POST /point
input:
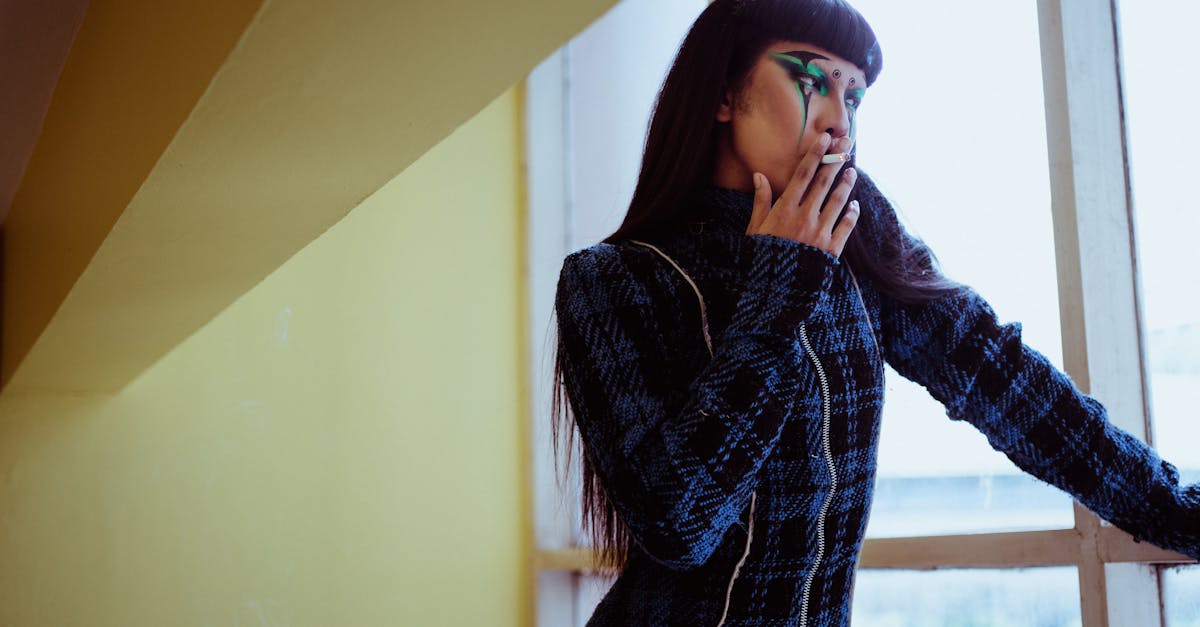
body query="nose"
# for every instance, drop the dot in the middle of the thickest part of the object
(834, 118)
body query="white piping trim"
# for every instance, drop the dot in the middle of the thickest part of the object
(738, 567)
(703, 310)
(753, 495)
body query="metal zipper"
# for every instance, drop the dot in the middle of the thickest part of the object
(825, 415)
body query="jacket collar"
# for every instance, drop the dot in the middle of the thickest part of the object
(723, 210)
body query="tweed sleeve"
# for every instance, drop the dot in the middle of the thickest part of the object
(1032, 412)
(678, 465)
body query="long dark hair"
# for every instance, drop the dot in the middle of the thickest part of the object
(681, 147)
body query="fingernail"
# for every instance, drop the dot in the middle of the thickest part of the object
(826, 138)
(854, 205)
(757, 181)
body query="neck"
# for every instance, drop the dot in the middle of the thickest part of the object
(730, 172)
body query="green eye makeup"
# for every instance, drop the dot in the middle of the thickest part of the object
(806, 74)
(799, 65)
(802, 63)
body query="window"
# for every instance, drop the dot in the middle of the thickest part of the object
(1027, 596)
(1181, 596)
(1165, 226)
(947, 149)
(985, 140)
(1166, 223)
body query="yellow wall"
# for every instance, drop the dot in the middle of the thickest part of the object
(341, 446)
(185, 127)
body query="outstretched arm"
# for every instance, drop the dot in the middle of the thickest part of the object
(680, 465)
(984, 374)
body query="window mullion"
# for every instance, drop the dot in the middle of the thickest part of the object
(1098, 291)
(1093, 582)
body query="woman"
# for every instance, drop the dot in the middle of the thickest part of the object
(722, 352)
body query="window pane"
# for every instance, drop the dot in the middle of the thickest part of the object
(1167, 255)
(626, 52)
(1167, 222)
(556, 598)
(1045, 597)
(1181, 596)
(591, 589)
(957, 142)
(913, 506)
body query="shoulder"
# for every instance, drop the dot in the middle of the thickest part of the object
(624, 262)
(624, 253)
(612, 276)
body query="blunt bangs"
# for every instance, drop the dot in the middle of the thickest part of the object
(831, 24)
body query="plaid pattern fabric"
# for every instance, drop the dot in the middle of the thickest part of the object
(682, 439)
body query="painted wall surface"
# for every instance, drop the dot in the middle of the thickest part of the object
(343, 445)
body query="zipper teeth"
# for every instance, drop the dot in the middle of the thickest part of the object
(825, 413)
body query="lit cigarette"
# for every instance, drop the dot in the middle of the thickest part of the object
(838, 157)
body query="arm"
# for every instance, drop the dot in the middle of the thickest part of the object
(1032, 412)
(679, 465)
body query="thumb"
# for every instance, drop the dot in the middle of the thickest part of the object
(762, 203)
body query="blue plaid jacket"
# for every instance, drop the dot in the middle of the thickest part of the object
(742, 456)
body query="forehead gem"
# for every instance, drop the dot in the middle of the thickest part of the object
(837, 73)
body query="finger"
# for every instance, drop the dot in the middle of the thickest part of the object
(837, 199)
(825, 178)
(762, 202)
(803, 173)
(844, 227)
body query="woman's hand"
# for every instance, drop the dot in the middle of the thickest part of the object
(797, 215)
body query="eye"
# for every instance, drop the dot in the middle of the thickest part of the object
(808, 80)
(854, 98)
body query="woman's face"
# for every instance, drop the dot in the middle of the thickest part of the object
(794, 92)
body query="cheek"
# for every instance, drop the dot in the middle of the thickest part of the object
(765, 148)
(767, 132)
(785, 114)
(788, 136)
(774, 126)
